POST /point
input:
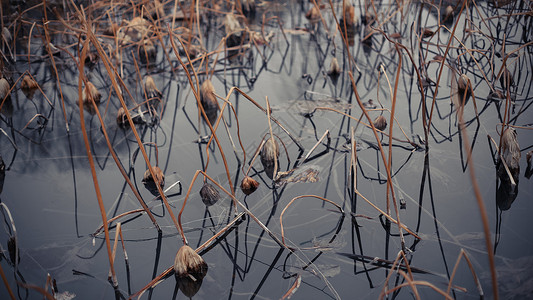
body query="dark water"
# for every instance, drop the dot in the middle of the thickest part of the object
(50, 193)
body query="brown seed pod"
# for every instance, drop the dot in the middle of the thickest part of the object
(188, 264)
(147, 53)
(269, 156)
(426, 32)
(464, 87)
(209, 194)
(510, 149)
(334, 69)
(151, 88)
(4, 88)
(380, 123)
(189, 287)
(209, 100)
(348, 12)
(159, 176)
(28, 86)
(91, 94)
(122, 120)
(313, 15)
(249, 185)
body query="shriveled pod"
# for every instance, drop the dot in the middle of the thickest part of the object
(122, 120)
(28, 86)
(313, 15)
(209, 194)
(147, 52)
(334, 70)
(249, 185)
(4, 88)
(189, 264)
(7, 108)
(151, 88)
(380, 123)
(447, 16)
(510, 149)
(208, 100)
(464, 87)
(248, 8)
(89, 95)
(231, 24)
(159, 176)
(269, 156)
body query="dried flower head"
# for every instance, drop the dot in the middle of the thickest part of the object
(209, 100)
(447, 16)
(231, 24)
(159, 176)
(249, 185)
(151, 88)
(510, 149)
(209, 194)
(380, 123)
(122, 120)
(248, 8)
(189, 264)
(464, 87)
(313, 15)
(269, 156)
(4, 88)
(147, 52)
(334, 69)
(348, 12)
(89, 95)
(28, 86)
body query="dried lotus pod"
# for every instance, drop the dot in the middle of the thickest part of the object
(447, 16)
(269, 156)
(151, 88)
(28, 86)
(122, 119)
(249, 185)
(464, 87)
(209, 100)
(189, 264)
(334, 70)
(506, 79)
(380, 123)
(149, 181)
(209, 194)
(313, 15)
(4, 88)
(89, 95)
(147, 52)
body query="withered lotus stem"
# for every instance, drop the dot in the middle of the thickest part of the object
(158, 173)
(209, 194)
(189, 264)
(151, 88)
(91, 93)
(380, 123)
(506, 79)
(4, 88)
(249, 185)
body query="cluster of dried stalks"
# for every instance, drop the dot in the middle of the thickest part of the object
(123, 35)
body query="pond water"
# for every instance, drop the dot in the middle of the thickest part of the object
(317, 230)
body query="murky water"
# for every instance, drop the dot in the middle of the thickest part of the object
(335, 252)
